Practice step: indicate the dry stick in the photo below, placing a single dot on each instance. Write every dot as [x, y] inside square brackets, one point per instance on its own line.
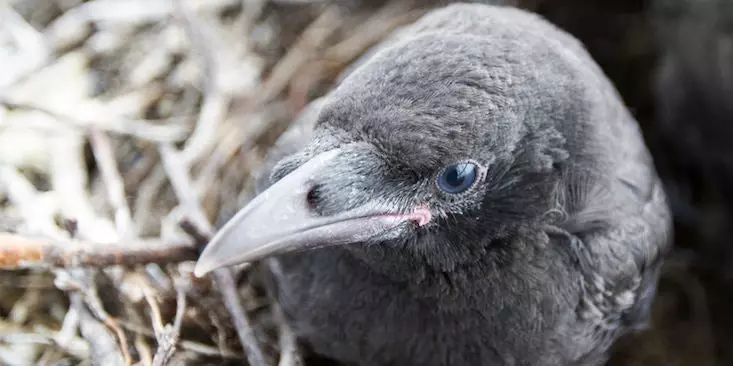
[147, 194]
[100, 340]
[215, 103]
[367, 34]
[104, 155]
[143, 349]
[288, 343]
[184, 344]
[289, 355]
[166, 336]
[105, 158]
[336, 57]
[225, 281]
[177, 171]
[76, 346]
[177, 166]
[23, 195]
[66, 337]
[18, 252]
[28, 40]
[298, 55]
[141, 129]
[203, 230]
[81, 283]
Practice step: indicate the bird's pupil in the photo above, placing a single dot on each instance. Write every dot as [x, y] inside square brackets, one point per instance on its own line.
[457, 178]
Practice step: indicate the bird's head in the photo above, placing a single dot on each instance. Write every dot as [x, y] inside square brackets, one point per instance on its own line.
[438, 146]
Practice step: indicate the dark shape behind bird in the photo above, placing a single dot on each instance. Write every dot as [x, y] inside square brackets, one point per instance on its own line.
[694, 95]
[479, 195]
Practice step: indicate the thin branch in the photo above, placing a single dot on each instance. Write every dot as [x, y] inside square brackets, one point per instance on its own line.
[141, 129]
[37, 213]
[299, 54]
[373, 30]
[177, 171]
[98, 335]
[289, 355]
[91, 297]
[225, 281]
[67, 338]
[18, 252]
[187, 345]
[180, 308]
[183, 187]
[143, 349]
[31, 44]
[165, 335]
[104, 155]
[337, 57]
[215, 102]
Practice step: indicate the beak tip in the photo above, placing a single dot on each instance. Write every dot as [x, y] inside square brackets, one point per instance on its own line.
[201, 269]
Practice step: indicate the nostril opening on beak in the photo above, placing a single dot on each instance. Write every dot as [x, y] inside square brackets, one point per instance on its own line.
[312, 198]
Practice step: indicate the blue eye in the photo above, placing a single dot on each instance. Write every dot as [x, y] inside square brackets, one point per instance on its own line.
[457, 178]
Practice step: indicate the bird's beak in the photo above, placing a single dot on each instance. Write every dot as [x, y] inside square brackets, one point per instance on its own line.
[280, 219]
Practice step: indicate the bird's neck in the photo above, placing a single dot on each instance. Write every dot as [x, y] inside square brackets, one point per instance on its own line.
[451, 288]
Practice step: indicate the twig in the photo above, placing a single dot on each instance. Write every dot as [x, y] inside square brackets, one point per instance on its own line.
[223, 277]
[180, 308]
[31, 43]
[69, 180]
[37, 213]
[215, 102]
[141, 129]
[177, 171]
[113, 180]
[26, 338]
[225, 281]
[95, 305]
[338, 56]
[187, 345]
[368, 33]
[147, 194]
[66, 338]
[289, 355]
[143, 349]
[104, 349]
[165, 335]
[298, 55]
[18, 252]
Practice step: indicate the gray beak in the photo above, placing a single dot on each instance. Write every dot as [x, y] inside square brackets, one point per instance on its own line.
[280, 220]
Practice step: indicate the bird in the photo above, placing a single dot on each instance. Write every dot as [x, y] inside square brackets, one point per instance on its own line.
[472, 192]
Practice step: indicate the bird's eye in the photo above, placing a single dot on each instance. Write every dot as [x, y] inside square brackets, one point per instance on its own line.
[457, 178]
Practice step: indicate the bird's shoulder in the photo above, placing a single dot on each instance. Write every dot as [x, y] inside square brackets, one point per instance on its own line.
[617, 228]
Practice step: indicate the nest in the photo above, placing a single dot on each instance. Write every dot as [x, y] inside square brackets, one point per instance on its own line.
[129, 131]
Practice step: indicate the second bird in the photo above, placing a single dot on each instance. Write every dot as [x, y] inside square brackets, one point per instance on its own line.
[473, 193]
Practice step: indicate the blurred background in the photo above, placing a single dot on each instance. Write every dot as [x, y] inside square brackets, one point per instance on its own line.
[129, 129]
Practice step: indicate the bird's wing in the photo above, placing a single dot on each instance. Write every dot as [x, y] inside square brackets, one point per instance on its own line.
[291, 141]
[618, 252]
[619, 238]
[646, 235]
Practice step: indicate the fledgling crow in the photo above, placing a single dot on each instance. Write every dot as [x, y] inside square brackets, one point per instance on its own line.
[474, 193]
